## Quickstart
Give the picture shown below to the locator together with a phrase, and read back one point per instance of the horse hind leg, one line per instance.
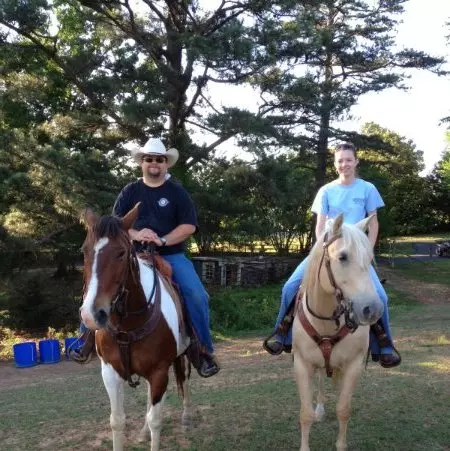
(182, 374)
(319, 412)
(114, 385)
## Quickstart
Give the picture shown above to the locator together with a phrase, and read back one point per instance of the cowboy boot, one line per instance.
(385, 360)
(84, 354)
(204, 362)
(276, 347)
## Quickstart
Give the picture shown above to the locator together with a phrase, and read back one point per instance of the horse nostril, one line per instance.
(367, 312)
(101, 317)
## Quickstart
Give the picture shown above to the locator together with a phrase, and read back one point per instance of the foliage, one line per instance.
(329, 54)
(439, 181)
(396, 174)
(35, 300)
(237, 309)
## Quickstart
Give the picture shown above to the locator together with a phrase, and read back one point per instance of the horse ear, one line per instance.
(88, 218)
(130, 217)
(337, 224)
(365, 223)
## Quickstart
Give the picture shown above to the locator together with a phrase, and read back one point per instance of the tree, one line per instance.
(439, 181)
(331, 53)
(142, 68)
(397, 176)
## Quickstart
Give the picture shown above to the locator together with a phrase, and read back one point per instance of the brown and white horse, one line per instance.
(331, 327)
(138, 329)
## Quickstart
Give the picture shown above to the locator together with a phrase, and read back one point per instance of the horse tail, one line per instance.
(182, 370)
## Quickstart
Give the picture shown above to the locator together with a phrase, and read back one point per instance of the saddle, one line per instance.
(164, 269)
(195, 351)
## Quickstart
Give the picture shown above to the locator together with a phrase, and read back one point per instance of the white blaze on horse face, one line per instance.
(87, 309)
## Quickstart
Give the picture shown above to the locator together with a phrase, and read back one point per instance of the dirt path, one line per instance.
(425, 293)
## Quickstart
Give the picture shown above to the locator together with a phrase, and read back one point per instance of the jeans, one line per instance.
(291, 287)
(195, 297)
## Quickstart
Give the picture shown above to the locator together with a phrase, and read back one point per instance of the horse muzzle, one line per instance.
(95, 319)
(366, 311)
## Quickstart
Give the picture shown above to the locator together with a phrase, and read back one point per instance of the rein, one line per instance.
(124, 338)
(343, 306)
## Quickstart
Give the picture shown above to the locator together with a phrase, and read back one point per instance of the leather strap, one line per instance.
(325, 342)
(125, 338)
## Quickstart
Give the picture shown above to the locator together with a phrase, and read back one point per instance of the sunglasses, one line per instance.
(154, 159)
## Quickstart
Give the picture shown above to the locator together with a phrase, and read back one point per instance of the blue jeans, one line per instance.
(195, 297)
(291, 287)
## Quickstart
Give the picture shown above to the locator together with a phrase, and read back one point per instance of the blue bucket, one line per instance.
(72, 344)
(49, 351)
(25, 354)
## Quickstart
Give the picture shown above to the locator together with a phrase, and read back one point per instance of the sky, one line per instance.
(414, 114)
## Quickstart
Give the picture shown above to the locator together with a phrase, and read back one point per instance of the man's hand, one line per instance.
(144, 235)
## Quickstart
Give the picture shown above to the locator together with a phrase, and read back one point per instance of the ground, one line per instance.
(229, 351)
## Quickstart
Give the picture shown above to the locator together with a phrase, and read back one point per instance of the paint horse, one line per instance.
(137, 323)
(337, 304)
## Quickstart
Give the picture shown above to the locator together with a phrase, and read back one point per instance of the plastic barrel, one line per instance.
(25, 354)
(49, 351)
(72, 344)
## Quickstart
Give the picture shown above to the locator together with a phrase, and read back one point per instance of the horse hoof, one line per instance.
(319, 414)
(144, 435)
(186, 420)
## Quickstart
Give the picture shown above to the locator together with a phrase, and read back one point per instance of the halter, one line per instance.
(344, 306)
(125, 337)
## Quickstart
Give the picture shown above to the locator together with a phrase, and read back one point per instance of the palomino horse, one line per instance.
(331, 327)
(138, 329)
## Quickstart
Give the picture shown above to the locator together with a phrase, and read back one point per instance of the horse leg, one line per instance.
(114, 386)
(157, 394)
(303, 376)
(350, 378)
(320, 406)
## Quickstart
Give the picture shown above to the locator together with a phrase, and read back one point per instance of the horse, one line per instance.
(337, 302)
(138, 326)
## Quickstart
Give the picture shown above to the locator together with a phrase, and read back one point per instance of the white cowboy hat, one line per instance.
(154, 146)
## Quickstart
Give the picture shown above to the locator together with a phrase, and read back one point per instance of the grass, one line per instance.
(252, 404)
(436, 271)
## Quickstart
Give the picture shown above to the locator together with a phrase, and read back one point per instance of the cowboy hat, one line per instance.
(154, 146)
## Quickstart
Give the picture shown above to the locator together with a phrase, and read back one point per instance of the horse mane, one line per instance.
(108, 227)
(353, 238)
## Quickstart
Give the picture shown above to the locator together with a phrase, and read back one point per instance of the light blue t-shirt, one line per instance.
(355, 200)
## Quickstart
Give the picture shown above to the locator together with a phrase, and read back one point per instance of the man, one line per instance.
(167, 218)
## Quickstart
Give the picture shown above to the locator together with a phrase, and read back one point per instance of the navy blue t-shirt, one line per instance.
(162, 209)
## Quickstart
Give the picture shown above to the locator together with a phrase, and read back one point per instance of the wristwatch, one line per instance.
(163, 240)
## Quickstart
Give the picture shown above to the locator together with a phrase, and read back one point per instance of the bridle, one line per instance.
(123, 336)
(344, 306)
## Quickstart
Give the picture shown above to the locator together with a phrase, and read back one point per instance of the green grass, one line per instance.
(432, 237)
(252, 404)
(435, 271)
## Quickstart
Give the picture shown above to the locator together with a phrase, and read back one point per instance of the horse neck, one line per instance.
(135, 300)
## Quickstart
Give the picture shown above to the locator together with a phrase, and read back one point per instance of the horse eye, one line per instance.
(343, 257)
(120, 254)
